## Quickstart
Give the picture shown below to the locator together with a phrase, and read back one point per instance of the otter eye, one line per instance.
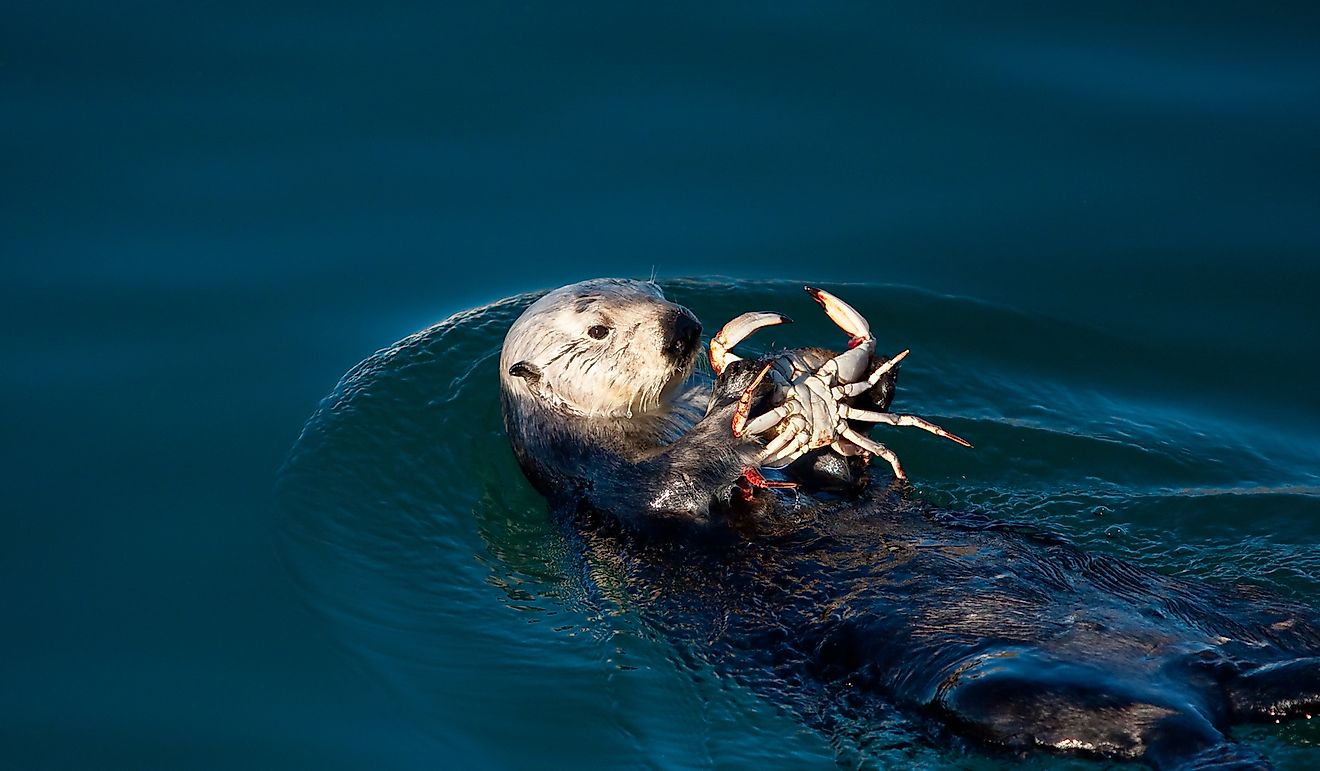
(599, 331)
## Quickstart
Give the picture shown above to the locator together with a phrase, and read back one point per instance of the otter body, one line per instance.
(1015, 640)
(839, 607)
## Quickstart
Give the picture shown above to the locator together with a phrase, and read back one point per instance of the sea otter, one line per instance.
(847, 605)
(598, 403)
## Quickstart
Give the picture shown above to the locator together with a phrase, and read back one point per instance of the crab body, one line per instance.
(815, 400)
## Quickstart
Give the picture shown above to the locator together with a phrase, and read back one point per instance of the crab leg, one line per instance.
(847, 448)
(866, 443)
(735, 332)
(739, 424)
(788, 446)
(752, 479)
(891, 419)
(862, 386)
(764, 421)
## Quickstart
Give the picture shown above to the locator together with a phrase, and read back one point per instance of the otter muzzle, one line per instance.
(684, 334)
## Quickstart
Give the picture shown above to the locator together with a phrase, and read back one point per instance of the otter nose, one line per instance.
(683, 335)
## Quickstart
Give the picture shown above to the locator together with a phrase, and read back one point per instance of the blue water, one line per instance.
(1099, 231)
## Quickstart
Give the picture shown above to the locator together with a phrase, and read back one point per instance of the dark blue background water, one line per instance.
(210, 213)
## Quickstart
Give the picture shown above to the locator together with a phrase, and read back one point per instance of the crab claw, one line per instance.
(843, 314)
(735, 332)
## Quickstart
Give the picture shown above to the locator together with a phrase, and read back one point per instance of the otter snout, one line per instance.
(683, 335)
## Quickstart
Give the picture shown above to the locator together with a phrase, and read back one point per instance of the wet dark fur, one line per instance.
(665, 476)
(841, 606)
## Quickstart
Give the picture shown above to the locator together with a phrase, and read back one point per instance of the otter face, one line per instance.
(611, 347)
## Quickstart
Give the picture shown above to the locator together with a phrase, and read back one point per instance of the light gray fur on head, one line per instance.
(622, 374)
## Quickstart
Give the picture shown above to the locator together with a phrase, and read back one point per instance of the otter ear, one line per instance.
(526, 370)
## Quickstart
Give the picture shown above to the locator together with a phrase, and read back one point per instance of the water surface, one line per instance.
(1099, 229)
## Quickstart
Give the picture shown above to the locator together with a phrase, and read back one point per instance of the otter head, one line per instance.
(612, 347)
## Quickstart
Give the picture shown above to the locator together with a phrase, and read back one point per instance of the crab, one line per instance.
(815, 409)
